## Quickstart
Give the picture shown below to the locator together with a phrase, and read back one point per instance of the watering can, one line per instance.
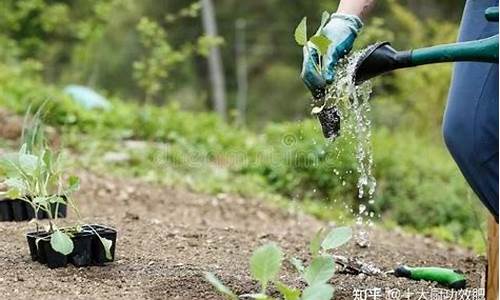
(381, 57)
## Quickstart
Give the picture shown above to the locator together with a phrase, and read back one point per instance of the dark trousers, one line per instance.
(471, 119)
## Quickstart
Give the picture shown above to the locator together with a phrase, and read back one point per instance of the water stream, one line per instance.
(352, 102)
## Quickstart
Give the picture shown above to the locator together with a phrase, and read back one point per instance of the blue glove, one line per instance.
(341, 30)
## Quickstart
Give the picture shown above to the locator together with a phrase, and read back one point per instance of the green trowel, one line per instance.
(381, 57)
(450, 278)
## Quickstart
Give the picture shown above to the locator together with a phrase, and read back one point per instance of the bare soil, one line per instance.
(169, 237)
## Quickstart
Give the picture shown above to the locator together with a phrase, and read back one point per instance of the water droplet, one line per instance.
(362, 208)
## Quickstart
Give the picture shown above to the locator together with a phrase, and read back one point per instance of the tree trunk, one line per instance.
(215, 67)
(241, 70)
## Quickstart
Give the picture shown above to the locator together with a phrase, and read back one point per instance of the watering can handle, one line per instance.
(491, 14)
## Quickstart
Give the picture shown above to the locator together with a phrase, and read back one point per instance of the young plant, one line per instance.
(322, 266)
(35, 175)
(318, 41)
(266, 262)
(36, 178)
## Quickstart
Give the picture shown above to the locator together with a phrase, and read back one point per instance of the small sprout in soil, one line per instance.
(267, 260)
(219, 286)
(265, 264)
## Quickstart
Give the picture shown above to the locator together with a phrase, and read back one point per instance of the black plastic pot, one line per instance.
(98, 252)
(30, 213)
(82, 251)
(87, 247)
(54, 258)
(61, 210)
(5, 211)
(36, 252)
(20, 210)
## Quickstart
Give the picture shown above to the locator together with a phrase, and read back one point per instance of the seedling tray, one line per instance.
(88, 249)
(19, 210)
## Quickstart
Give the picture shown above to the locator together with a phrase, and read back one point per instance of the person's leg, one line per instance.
(470, 125)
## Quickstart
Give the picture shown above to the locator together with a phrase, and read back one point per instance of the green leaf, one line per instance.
(48, 159)
(265, 263)
(56, 199)
(23, 149)
(315, 244)
(301, 32)
(106, 243)
(17, 185)
(13, 193)
(318, 292)
(73, 184)
(219, 286)
(41, 200)
(9, 165)
(297, 263)
(61, 242)
(320, 271)
(324, 18)
(337, 237)
(321, 42)
(28, 163)
(288, 292)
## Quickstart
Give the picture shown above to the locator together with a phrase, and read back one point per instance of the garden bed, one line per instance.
(168, 238)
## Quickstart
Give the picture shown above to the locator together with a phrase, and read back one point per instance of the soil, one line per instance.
(168, 237)
(12, 125)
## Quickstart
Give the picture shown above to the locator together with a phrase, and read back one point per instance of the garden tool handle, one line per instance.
(485, 50)
(448, 277)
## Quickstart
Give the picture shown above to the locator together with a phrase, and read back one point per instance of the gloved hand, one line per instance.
(341, 30)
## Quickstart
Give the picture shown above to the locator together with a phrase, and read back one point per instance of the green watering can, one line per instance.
(381, 57)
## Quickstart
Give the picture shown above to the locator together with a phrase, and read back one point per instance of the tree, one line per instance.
(215, 67)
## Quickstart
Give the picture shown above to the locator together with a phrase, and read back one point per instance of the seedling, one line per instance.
(267, 260)
(318, 42)
(35, 175)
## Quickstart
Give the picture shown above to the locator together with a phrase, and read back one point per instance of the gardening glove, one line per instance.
(341, 30)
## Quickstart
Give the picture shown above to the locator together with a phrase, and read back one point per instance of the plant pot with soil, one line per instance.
(5, 210)
(22, 209)
(57, 246)
(79, 245)
(34, 177)
(100, 253)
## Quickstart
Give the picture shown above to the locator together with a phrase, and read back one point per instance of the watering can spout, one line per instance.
(381, 57)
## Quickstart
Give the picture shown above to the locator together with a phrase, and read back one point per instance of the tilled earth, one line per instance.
(169, 237)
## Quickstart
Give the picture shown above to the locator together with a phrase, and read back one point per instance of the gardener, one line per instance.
(471, 117)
